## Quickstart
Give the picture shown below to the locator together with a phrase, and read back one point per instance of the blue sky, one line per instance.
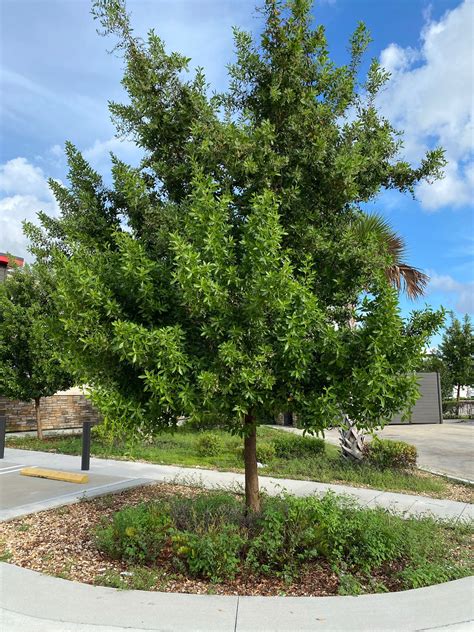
(56, 77)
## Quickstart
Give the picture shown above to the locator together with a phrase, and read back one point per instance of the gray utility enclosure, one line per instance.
(428, 408)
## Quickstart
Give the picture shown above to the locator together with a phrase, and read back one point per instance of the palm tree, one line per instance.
(400, 274)
(404, 277)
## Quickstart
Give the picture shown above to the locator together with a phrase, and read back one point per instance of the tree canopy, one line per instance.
(457, 352)
(217, 279)
(30, 362)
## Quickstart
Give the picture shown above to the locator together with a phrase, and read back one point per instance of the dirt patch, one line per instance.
(462, 493)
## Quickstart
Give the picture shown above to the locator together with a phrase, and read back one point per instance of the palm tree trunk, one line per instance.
(252, 494)
(351, 440)
(39, 423)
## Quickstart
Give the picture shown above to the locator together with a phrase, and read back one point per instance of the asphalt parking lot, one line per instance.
(446, 448)
(20, 495)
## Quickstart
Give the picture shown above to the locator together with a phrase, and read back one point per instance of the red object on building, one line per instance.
(5, 261)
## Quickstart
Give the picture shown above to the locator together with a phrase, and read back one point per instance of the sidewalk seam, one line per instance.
(461, 514)
(236, 613)
(443, 627)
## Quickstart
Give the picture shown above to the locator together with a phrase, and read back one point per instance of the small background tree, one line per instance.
(30, 366)
(457, 353)
(433, 363)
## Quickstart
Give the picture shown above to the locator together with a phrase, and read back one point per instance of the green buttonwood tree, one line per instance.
(30, 366)
(217, 280)
(457, 353)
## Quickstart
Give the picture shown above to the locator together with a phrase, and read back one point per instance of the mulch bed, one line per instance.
(59, 542)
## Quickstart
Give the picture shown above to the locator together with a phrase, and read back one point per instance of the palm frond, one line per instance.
(399, 273)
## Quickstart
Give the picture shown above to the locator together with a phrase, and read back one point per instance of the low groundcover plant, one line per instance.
(214, 537)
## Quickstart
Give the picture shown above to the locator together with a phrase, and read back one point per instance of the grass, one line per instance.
(184, 447)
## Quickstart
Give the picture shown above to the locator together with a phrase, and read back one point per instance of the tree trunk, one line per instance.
(252, 494)
(458, 397)
(39, 425)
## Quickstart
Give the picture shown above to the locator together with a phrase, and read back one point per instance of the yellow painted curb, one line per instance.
(55, 475)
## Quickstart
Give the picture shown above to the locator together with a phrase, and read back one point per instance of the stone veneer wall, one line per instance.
(58, 411)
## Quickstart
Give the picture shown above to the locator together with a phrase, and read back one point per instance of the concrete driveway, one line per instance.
(446, 448)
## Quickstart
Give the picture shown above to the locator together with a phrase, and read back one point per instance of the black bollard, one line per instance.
(86, 445)
(3, 430)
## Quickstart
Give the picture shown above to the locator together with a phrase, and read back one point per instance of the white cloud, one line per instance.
(56, 150)
(455, 189)
(25, 192)
(430, 97)
(394, 58)
(98, 155)
(462, 293)
(21, 177)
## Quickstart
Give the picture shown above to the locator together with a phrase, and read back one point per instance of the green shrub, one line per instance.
(214, 555)
(136, 534)
(209, 444)
(289, 446)
(372, 538)
(212, 536)
(293, 530)
(265, 452)
(206, 512)
(349, 585)
(386, 454)
(284, 536)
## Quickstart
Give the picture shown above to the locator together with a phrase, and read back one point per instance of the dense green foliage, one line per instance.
(388, 454)
(183, 447)
(212, 537)
(217, 280)
(209, 444)
(136, 534)
(30, 361)
(297, 447)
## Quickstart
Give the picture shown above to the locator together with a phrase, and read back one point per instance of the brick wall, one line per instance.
(58, 411)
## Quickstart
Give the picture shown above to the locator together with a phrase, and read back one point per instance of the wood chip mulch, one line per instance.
(60, 542)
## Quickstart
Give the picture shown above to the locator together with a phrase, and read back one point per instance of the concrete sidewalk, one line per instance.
(39, 603)
(140, 473)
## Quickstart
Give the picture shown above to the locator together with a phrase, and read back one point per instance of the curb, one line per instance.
(27, 593)
(456, 479)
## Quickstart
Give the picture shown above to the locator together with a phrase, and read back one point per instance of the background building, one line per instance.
(5, 264)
